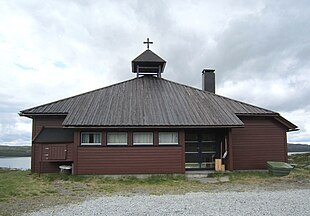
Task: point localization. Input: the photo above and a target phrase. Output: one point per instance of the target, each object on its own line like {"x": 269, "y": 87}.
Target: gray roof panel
{"x": 148, "y": 101}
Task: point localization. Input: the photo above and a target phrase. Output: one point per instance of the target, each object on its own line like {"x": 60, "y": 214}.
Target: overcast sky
{"x": 51, "y": 50}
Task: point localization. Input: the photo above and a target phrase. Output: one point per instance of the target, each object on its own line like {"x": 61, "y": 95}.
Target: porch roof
{"x": 54, "y": 135}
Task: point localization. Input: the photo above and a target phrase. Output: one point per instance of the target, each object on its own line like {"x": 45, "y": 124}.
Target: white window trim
{"x": 137, "y": 144}
{"x": 177, "y": 143}
{"x": 117, "y": 144}
{"x": 91, "y": 144}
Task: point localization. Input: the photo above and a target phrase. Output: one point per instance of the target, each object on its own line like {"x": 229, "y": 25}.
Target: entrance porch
{"x": 202, "y": 147}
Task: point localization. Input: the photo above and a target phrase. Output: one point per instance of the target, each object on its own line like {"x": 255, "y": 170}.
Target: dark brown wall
{"x": 261, "y": 140}
{"x": 130, "y": 160}
{"x": 59, "y": 152}
{"x": 43, "y": 165}
{"x": 109, "y": 159}
{"x": 37, "y": 125}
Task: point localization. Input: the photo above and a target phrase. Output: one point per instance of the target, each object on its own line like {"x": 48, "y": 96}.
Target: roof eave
{"x": 30, "y": 115}
{"x": 290, "y": 126}
{"x": 152, "y": 126}
{"x": 257, "y": 114}
{"x": 287, "y": 123}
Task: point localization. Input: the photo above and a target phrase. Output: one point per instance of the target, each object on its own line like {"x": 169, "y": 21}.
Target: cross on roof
{"x": 148, "y": 42}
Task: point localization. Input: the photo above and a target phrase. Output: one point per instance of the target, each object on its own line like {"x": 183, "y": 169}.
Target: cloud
{"x": 14, "y": 130}
{"x": 300, "y": 117}
{"x": 50, "y": 50}
{"x": 59, "y": 64}
{"x": 24, "y": 67}
{"x": 279, "y": 94}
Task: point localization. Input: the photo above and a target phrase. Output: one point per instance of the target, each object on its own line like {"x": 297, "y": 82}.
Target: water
{"x": 291, "y": 153}
{"x": 16, "y": 162}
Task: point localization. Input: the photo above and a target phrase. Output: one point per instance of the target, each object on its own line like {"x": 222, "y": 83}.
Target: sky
{"x": 55, "y": 49}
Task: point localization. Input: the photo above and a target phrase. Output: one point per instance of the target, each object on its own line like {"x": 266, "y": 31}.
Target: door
{"x": 200, "y": 150}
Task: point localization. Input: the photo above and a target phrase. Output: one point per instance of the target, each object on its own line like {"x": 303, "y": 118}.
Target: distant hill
{"x": 298, "y": 147}
{"x": 15, "y": 151}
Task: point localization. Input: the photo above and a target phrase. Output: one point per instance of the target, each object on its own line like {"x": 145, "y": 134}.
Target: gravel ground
{"x": 289, "y": 202}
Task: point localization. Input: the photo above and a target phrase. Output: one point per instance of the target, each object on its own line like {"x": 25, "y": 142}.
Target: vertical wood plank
{"x": 182, "y": 143}
{"x": 156, "y": 138}
{"x": 285, "y": 147}
{"x": 76, "y": 144}
{"x": 230, "y": 151}
{"x": 104, "y": 138}
{"x": 129, "y": 138}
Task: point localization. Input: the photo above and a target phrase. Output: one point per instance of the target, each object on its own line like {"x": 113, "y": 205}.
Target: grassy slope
{"x": 15, "y": 151}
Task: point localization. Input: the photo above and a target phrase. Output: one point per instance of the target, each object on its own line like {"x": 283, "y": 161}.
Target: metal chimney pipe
{"x": 208, "y": 80}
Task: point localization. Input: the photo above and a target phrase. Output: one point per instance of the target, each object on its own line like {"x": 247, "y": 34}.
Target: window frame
{"x": 117, "y": 144}
{"x": 162, "y": 144}
{"x": 91, "y": 144}
{"x": 142, "y": 144}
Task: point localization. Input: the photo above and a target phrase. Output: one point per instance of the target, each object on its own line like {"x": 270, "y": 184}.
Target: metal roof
{"x": 149, "y": 101}
{"x": 148, "y": 56}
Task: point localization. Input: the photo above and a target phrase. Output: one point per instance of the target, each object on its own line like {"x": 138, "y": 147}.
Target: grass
{"x": 20, "y": 184}
{"x": 301, "y": 160}
{"x": 23, "y": 184}
{"x": 300, "y": 173}
{"x": 242, "y": 176}
{"x": 21, "y": 191}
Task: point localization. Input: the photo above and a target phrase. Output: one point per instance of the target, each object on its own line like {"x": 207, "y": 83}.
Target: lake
{"x": 16, "y": 162}
{"x": 291, "y": 153}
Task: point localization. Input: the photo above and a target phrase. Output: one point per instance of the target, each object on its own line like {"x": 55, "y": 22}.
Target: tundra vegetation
{"x": 21, "y": 191}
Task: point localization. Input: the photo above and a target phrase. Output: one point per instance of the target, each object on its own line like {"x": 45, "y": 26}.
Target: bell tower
{"x": 148, "y": 63}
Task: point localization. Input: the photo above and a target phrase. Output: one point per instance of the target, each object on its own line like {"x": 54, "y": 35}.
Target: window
{"x": 168, "y": 138}
{"x": 90, "y": 138}
{"x": 143, "y": 138}
{"x": 117, "y": 138}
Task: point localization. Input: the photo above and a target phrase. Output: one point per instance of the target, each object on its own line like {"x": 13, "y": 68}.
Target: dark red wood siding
{"x": 48, "y": 157}
{"x": 57, "y": 152}
{"x": 130, "y": 160}
{"x": 261, "y": 140}
{"x": 37, "y": 125}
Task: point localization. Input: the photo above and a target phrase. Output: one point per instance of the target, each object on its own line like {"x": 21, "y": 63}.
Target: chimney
{"x": 208, "y": 80}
